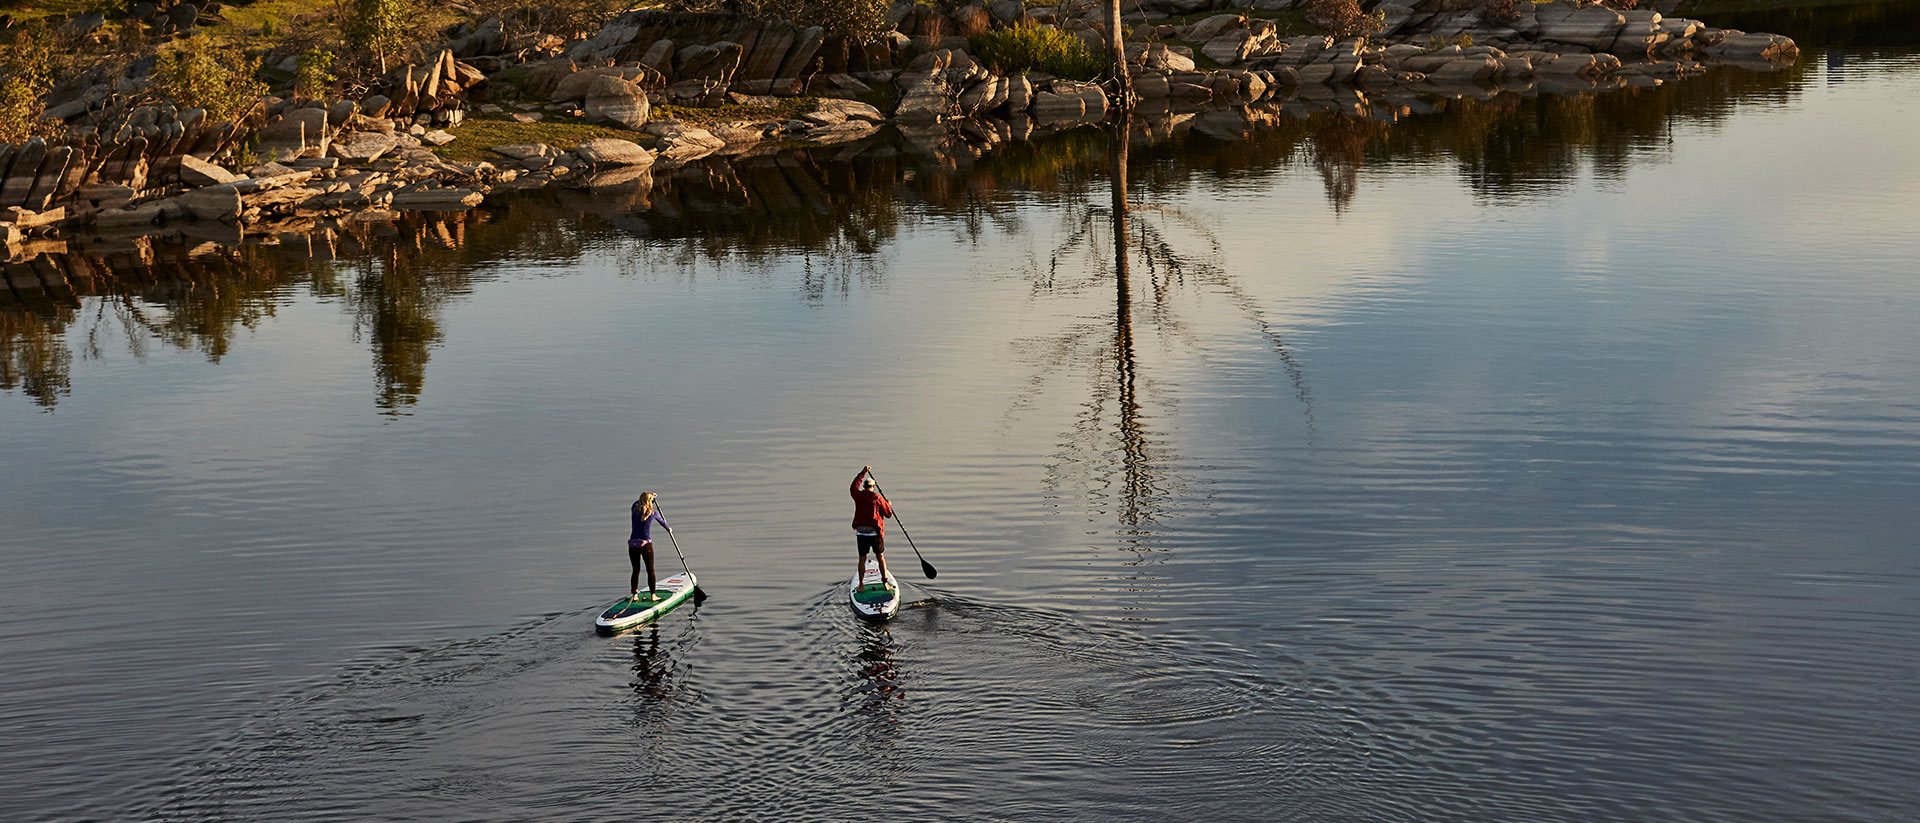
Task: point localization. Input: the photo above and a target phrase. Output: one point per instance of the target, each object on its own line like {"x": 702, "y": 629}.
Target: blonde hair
{"x": 645, "y": 504}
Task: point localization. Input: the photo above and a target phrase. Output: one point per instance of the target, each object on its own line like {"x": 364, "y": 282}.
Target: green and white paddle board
{"x": 869, "y": 598}
{"x": 628, "y": 612}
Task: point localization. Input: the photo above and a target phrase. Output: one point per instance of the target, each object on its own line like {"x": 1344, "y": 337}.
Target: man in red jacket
{"x": 870, "y": 513}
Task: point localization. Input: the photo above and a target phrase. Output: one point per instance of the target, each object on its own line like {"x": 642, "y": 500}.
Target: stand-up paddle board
{"x": 628, "y": 612}
{"x": 869, "y": 598}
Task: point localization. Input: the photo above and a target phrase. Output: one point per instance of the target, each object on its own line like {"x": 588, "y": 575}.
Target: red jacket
{"x": 869, "y": 508}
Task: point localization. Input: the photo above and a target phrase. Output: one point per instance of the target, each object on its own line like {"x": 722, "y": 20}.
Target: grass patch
{"x": 27, "y": 10}
{"x": 786, "y": 108}
{"x": 475, "y": 137}
{"x": 1028, "y": 47}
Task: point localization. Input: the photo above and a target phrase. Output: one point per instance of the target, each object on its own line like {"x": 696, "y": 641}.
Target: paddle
{"x": 925, "y": 567}
{"x": 698, "y": 595}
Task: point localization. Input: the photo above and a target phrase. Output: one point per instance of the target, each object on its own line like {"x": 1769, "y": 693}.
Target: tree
{"x": 1123, "y": 98}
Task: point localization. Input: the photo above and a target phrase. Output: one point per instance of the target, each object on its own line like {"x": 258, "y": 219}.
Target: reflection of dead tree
{"x": 1137, "y": 486}
{"x": 1167, "y": 266}
{"x": 1113, "y": 419}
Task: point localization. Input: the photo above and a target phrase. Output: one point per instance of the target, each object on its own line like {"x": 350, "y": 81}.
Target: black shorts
{"x": 870, "y": 543}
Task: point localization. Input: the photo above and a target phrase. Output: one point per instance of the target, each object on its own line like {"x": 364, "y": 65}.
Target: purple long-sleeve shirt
{"x": 643, "y": 526}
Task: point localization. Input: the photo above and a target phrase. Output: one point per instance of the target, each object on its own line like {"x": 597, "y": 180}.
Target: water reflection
{"x": 653, "y": 675}
{"x": 837, "y": 209}
{"x": 879, "y": 690}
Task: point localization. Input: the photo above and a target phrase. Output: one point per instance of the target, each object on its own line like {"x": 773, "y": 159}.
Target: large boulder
{"x": 364, "y": 145}
{"x": 924, "y": 98}
{"x": 613, "y": 152}
{"x": 702, "y": 73}
{"x": 544, "y": 78}
{"x": 852, "y": 110}
{"x": 1070, "y": 101}
{"x": 1158, "y": 56}
{"x": 213, "y": 202}
{"x": 800, "y": 58}
{"x": 611, "y": 37}
{"x": 576, "y": 85}
{"x": 1595, "y": 27}
{"x": 1738, "y": 45}
{"x": 1465, "y": 70}
{"x": 1019, "y": 94}
{"x": 984, "y": 96}
{"x": 1638, "y": 39}
{"x": 1213, "y": 27}
{"x": 768, "y": 53}
{"x": 196, "y": 172}
{"x": 659, "y": 57}
{"x": 682, "y": 142}
{"x": 298, "y": 133}
{"x": 616, "y": 101}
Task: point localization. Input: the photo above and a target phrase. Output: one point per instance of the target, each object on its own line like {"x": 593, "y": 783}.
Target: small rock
{"x": 522, "y": 151}
{"x": 437, "y": 137}
{"x": 269, "y": 170}
{"x": 524, "y": 117}
{"x": 613, "y": 152}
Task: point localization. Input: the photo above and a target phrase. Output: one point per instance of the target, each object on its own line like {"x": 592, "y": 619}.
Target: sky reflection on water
{"x": 1531, "y": 460}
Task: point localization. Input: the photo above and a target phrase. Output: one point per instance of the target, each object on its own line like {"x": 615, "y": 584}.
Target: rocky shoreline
{"x": 163, "y": 171}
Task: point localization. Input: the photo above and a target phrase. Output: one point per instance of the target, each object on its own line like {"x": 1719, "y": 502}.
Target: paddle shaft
{"x": 925, "y": 567}
{"x": 697, "y": 593}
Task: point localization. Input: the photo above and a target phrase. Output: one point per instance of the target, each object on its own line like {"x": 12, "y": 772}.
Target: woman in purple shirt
{"x": 640, "y": 543}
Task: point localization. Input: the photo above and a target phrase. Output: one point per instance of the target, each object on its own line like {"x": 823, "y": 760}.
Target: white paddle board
{"x": 870, "y": 599}
{"x": 628, "y": 612}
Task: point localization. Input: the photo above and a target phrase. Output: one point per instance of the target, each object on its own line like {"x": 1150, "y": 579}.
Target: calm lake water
{"x": 1525, "y": 460}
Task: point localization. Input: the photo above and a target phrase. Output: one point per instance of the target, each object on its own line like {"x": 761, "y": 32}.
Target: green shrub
{"x": 1027, "y": 47}
{"x": 26, "y": 73}
{"x": 379, "y": 29}
{"x": 200, "y": 75}
{"x": 314, "y": 79}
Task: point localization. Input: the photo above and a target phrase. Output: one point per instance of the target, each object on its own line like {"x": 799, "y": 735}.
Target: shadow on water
{"x": 1840, "y": 25}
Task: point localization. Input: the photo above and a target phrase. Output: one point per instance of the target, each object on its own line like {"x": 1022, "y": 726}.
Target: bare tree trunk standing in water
{"x": 1123, "y": 96}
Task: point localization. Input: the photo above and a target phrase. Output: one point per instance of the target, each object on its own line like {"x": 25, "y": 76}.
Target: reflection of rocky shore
{"x": 128, "y": 167}
{"x": 394, "y": 271}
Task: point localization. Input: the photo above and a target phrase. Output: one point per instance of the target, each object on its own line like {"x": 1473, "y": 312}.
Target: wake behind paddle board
{"x": 868, "y": 598}
{"x": 628, "y": 612}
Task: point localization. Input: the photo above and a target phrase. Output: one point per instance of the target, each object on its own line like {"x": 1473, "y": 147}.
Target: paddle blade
{"x": 928, "y": 570}
{"x": 699, "y": 595}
